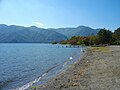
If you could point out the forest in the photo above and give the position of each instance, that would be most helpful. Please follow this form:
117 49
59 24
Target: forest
103 37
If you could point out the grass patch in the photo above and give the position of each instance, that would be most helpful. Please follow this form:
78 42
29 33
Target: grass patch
100 49
34 87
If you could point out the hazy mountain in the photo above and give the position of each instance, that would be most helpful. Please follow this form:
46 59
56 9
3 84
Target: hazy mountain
79 31
17 34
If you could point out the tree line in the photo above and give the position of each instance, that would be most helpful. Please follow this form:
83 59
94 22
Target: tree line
104 36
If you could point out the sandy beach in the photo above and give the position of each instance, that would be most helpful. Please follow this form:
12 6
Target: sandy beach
98 69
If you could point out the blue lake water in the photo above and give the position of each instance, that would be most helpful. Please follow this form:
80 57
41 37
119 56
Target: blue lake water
22 65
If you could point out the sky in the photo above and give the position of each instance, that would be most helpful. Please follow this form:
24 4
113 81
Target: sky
61 13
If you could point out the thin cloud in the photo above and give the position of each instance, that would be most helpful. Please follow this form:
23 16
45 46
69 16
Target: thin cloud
38 24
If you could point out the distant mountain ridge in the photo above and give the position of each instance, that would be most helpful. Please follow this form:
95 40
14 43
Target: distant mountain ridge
79 31
33 34
20 34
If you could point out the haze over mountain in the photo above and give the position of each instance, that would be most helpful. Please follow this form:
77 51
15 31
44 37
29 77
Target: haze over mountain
20 34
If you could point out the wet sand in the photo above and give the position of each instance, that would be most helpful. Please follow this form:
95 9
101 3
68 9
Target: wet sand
98 69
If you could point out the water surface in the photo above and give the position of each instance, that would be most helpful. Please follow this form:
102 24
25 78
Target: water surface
22 63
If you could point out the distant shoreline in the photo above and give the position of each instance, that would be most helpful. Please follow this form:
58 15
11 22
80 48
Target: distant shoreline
92 71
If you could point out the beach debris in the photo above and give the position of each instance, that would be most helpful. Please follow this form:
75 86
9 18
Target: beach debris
71 58
82 50
64 64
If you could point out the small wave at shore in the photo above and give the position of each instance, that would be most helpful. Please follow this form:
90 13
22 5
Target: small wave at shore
26 86
30 83
61 67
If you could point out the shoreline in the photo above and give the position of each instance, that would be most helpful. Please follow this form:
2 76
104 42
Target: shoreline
97 69
62 72
47 76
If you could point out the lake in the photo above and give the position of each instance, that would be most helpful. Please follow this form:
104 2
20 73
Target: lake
23 65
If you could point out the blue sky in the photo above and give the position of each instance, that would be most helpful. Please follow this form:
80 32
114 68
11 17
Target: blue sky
61 13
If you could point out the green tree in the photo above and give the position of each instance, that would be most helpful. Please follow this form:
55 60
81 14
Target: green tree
116 36
92 40
104 36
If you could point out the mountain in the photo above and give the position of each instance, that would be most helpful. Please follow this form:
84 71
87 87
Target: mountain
20 34
79 31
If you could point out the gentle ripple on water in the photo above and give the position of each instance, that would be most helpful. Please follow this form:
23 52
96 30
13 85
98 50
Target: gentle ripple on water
22 65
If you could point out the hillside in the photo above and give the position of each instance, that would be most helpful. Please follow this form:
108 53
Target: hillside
19 34
79 31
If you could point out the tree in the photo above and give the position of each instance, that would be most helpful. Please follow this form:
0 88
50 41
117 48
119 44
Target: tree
104 36
93 40
116 36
